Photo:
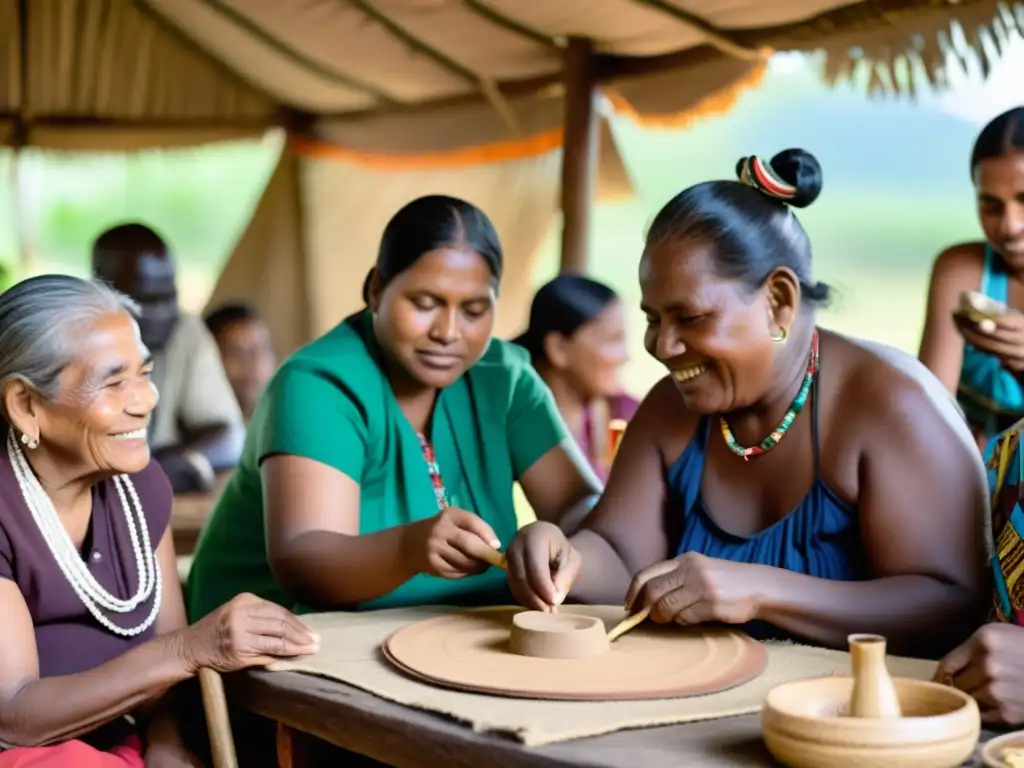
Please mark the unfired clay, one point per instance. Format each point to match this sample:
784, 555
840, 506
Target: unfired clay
472, 651
557, 635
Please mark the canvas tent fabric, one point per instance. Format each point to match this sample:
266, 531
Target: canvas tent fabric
389, 99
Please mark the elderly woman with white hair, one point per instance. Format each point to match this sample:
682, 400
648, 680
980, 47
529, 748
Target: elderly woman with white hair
94, 625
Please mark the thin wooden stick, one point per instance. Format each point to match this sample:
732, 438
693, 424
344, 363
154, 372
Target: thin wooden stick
496, 558
218, 723
627, 624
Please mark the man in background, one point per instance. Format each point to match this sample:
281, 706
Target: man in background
245, 350
197, 430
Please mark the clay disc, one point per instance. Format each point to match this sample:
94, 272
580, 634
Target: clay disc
469, 651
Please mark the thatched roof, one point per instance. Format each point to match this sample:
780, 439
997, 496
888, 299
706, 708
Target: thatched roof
433, 75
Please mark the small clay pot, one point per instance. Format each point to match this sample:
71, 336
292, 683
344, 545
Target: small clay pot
557, 635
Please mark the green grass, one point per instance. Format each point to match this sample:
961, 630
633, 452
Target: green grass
200, 199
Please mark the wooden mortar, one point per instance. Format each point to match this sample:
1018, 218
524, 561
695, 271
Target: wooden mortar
557, 635
869, 719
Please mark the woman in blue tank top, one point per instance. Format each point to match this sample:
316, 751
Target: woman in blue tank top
983, 366
781, 477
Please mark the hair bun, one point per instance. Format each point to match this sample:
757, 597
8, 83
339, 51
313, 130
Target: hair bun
793, 176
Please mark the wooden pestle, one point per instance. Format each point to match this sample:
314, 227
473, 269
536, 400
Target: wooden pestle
874, 694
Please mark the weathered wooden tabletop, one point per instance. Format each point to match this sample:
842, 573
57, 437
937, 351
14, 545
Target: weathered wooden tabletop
189, 514
410, 738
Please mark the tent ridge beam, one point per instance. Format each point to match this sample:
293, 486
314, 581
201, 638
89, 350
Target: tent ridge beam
609, 68
499, 19
488, 86
713, 36
295, 56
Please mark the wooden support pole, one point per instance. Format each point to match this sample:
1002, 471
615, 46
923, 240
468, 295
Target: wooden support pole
579, 153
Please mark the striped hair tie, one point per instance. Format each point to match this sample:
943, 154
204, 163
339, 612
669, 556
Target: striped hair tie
756, 173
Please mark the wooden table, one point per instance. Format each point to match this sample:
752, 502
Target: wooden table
188, 516
409, 738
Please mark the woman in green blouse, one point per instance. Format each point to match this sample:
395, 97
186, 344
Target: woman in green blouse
380, 461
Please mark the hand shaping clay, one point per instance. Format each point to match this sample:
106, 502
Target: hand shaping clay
557, 635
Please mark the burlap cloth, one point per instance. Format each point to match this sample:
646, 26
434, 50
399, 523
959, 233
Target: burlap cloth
351, 653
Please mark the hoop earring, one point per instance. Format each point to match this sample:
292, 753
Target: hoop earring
781, 338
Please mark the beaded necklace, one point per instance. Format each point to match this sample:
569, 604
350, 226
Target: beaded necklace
440, 493
93, 595
787, 421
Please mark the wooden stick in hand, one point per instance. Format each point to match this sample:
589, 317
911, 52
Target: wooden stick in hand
627, 624
496, 558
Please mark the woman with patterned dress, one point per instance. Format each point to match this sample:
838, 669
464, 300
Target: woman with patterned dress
982, 362
781, 477
990, 665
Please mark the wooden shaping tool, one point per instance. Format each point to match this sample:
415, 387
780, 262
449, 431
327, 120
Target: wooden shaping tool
496, 558
627, 624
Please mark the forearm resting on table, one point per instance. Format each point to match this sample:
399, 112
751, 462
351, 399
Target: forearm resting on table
55, 709
604, 576
918, 615
327, 570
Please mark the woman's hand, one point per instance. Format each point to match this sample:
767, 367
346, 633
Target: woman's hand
247, 632
542, 566
990, 667
693, 589
452, 544
1005, 340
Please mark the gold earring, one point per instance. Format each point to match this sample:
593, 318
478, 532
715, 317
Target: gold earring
781, 338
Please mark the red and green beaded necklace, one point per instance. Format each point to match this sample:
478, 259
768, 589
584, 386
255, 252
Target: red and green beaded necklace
787, 421
440, 492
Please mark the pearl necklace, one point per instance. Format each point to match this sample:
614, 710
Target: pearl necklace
71, 564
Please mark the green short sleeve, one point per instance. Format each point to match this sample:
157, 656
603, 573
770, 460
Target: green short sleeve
309, 413
534, 423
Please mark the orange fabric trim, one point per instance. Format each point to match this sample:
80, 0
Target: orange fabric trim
483, 154
541, 143
714, 105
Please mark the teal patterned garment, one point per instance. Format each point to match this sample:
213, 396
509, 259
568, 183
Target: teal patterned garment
1004, 461
991, 396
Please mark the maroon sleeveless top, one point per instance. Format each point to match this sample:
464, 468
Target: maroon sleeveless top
68, 638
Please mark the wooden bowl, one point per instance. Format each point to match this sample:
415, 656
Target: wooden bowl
992, 752
803, 726
557, 635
